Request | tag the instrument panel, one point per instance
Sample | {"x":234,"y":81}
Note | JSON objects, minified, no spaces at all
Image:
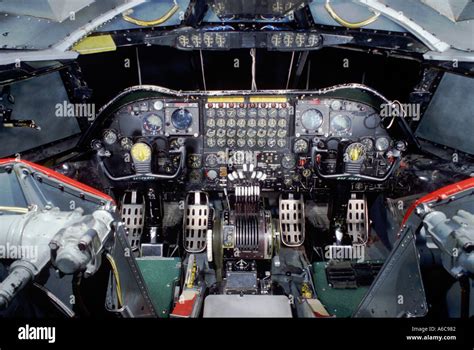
{"x":283,"y":141}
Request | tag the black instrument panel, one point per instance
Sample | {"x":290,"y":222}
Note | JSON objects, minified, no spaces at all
{"x":282,"y":141}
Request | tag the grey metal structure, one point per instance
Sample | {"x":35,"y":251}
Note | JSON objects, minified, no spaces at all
{"x":455,"y":238}
{"x":74,"y":243}
{"x":398,"y":290}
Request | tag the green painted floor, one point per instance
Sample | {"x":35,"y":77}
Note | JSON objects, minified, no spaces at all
{"x":338,"y":302}
{"x":161,"y":276}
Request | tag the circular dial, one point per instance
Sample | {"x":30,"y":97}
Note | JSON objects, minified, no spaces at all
{"x":241,"y":112}
{"x":382,"y":144}
{"x":194,"y":161}
{"x":141,"y":152}
{"x":211,"y":142}
{"x":231,"y":112}
{"x":300,"y":146}
{"x":152,"y":123}
{"x":158,"y":105}
{"x":312,"y":119}
{"x":355,"y":152}
{"x":340,"y":123}
{"x":110,"y":137}
{"x":126,"y":143}
{"x":211,"y":112}
{"x":181,"y":119}
{"x":368,"y":144}
{"x":288,"y":161}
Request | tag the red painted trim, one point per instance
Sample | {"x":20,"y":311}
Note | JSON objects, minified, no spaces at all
{"x":184,"y":308}
{"x":440,"y":194}
{"x":59,"y":177}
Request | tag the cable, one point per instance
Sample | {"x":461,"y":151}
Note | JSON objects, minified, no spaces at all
{"x":290,"y":69}
{"x":154,"y":22}
{"x":202,"y":70}
{"x":253,"y":53}
{"x":350,"y":25}
{"x":117,"y":279}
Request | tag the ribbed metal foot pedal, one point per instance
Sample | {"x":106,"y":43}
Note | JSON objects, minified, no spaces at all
{"x":357,"y":219}
{"x":292,"y":220}
{"x":133,"y":216}
{"x":196,"y":217}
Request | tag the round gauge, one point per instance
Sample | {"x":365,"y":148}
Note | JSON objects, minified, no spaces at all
{"x":96,"y":144}
{"x":336,"y":105}
{"x":252,"y":113}
{"x":368,"y":144}
{"x":251,"y":133}
{"x":231,"y":142}
{"x":272,"y":113}
{"x":312,"y":119}
{"x":300,"y":146}
{"x":261,"y":133}
{"x":183,"y":40}
{"x":211,"y":133}
{"x":211,"y":142}
{"x":196,"y":40}
{"x":251,"y":143}
{"x":220,"y":122}
{"x":220,"y":132}
{"x":271,"y":142}
{"x":241,"y":123}
{"x":355,"y":152}
{"x":262,"y":123}
{"x":313,"y":40}
{"x":288,"y":161}
{"x":288,"y":39}
{"x":126,"y":143}
{"x":194,"y":161}
{"x":271,"y":133}
{"x":231,"y":123}
{"x":340,"y":123}
{"x":152,"y":123}
{"x":283,"y":113}
{"x":211,"y":113}
{"x":221,"y":142}
{"x":272,"y":123}
{"x":110,"y":137}
{"x":241,"y":132}
{"x":241,"y":112}
{"x":231,"y":112}
{"x":221,"y":113}
{"x":281,"y":143}
{"x":195,"y":176}
{"x":211,"y":160}
{"x":231,"y":132}
{"x":141,"y":152}
{"x":241,"y":142}
{"x":261,"y":143}
{"x":282,"y":123}
{"x":300,"y":39}
{"x":181,"y":119}
{"x":281,"y":133}
{"x":382,"y":144}
{"x":211,"y":123}
{"x":262,"y":112}
{"x":251,"y":123}
{"x":158,"y":105}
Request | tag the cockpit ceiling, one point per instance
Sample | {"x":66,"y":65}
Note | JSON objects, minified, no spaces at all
{"x":47,"y":24}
